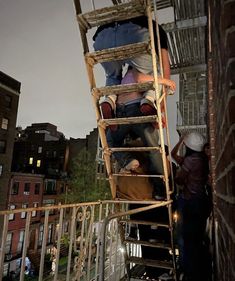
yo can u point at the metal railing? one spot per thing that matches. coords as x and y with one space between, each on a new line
75 253
191 113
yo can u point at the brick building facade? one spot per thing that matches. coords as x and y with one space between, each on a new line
221 86
9 98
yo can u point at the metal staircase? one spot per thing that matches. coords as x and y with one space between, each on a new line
123 11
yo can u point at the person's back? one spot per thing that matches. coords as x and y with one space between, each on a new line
197 172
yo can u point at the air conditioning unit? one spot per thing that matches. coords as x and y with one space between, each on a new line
8 256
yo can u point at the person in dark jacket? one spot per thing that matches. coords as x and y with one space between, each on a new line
193 201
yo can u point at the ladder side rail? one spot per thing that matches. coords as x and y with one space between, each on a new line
164 98
160 119
155 73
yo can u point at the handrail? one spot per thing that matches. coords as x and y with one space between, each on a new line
114 216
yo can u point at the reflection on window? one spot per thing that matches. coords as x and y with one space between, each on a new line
4 124
30 160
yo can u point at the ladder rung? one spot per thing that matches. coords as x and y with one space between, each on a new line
119 12
116 149
119 53
138 175
114 13
148 244
121 89
146 223
128 120
152 263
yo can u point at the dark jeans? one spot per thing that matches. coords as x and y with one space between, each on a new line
149 137
194 254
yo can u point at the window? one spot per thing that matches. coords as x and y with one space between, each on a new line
20 242
40 149
40 237
50 231
23 214
8 243
54 153
2 146
12 216
15 188
49 202
1 169
50 187
30 160
37 188
4 124
38 163
8 101
34 213
26 188
6 268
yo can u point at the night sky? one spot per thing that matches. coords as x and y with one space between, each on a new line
40 47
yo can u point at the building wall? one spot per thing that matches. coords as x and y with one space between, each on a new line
221 73
9 97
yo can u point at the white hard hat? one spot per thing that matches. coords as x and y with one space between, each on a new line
195 141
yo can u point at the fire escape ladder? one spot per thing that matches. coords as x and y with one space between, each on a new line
98 17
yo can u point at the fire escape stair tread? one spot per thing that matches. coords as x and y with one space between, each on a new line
128 120
155 244
116 149
123 11
120 89
118 53
149 262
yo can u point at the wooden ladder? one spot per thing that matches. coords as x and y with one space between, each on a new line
124 11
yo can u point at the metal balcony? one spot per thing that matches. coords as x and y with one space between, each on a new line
75 252
191 116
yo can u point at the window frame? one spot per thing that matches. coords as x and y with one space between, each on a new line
5 123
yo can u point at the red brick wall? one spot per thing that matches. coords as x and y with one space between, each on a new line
221 87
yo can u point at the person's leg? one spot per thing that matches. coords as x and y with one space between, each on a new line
116 138
149 136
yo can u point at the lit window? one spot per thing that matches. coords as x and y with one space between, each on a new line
34 213
23 214
26 188
15 188
30 160
38 163
40 149
12 216
1 169
4 124
2 146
